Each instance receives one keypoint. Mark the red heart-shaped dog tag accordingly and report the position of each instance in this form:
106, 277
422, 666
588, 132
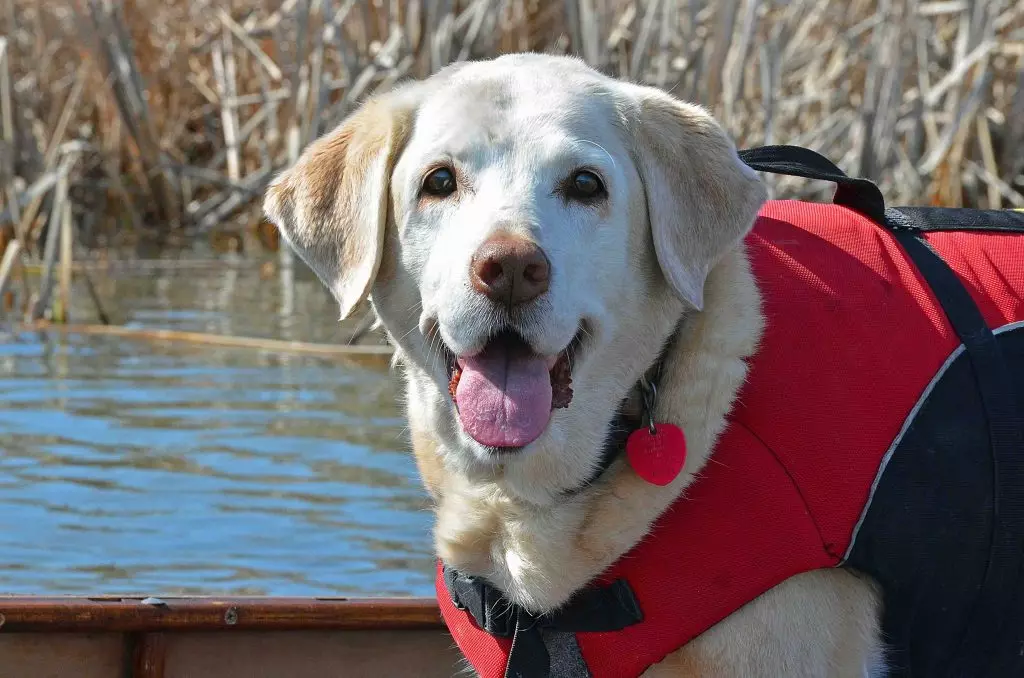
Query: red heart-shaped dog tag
659, 457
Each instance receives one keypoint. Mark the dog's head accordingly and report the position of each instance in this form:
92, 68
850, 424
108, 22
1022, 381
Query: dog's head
519, 223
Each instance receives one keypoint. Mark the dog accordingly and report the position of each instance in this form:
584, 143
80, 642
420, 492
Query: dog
535, 237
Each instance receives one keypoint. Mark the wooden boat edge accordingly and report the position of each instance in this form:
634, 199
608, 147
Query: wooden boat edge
206, 613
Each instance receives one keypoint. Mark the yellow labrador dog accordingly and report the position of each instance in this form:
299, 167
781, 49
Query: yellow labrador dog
527, 220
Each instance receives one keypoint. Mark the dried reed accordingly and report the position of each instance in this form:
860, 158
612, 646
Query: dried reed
368, 354
179, 113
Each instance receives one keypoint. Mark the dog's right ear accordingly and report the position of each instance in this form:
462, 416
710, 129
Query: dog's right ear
331, 206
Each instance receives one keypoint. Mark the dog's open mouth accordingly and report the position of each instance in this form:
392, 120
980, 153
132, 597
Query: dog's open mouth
505, 394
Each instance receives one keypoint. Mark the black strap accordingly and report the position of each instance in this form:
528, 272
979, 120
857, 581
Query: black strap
864, 196
925, 219
621, 426
858, 194
1005, 413
544, 645
624, 422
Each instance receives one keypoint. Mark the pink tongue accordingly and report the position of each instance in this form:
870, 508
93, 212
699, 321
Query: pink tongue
504, 396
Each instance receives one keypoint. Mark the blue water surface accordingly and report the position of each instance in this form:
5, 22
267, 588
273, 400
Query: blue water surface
134, 467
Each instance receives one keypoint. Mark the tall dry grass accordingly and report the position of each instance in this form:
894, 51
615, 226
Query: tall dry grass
173, 116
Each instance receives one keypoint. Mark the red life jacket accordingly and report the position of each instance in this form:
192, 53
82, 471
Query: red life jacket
856, 343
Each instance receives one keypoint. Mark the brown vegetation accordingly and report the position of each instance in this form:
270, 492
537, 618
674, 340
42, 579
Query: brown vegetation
172, 117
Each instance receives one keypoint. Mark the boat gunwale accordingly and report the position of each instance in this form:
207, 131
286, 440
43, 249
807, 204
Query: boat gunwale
214, 613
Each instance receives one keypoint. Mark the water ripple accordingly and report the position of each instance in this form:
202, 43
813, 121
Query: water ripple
129, 468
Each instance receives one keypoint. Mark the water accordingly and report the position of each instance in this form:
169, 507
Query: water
130, 467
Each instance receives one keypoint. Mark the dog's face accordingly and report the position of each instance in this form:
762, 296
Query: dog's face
530, 232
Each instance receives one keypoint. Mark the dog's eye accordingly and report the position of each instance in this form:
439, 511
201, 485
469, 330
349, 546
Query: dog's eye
585, 186
439, 183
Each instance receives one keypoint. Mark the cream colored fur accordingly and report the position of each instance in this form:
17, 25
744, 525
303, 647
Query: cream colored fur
665, 245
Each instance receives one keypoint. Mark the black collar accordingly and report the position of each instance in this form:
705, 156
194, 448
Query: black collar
634, 411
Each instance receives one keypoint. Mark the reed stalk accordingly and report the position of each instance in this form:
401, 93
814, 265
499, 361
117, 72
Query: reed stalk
185, 110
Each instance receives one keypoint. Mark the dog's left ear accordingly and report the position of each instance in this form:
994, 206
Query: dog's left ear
701, 198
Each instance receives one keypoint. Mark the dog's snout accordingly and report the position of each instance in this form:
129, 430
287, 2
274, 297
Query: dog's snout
510, 270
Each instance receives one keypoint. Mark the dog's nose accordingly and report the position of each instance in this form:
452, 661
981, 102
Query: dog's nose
510, 270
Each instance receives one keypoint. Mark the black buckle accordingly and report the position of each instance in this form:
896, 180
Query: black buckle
544, 646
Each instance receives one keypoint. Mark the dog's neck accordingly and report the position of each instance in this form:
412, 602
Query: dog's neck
631, 414
538, 556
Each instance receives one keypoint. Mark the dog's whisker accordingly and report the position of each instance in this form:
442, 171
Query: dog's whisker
435, 351
407, 333
438, 350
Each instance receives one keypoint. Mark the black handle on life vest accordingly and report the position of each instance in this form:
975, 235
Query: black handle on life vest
858, 194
